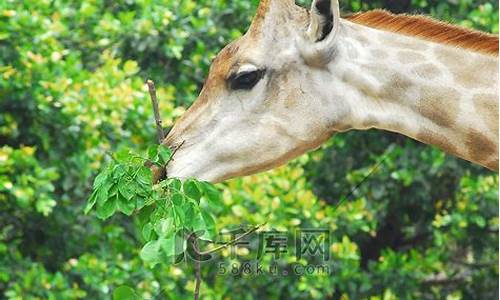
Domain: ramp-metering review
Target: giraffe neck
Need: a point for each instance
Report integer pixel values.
(434, 93)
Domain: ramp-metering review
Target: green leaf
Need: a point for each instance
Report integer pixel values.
(168, 245)
(147, 231)
(180, 213)
(118, 172)
(125, 205)
(107, 209)
(151, 252)
(103, 193)
(126, 188)
(91, 202)
(175, 184)
(164, 153)
(153, 197)
(123, 156)
(191, 190)
(209, 220)
(204, 225)
(140, 202)
(164, 227)
(210, 224)
(124, 293)
(174, 245)
(100, 179)
(153, 153)
(213, 195)
(113, 190)
(142, 190)
(200, 227)
(145, 178)
(177, 198)
(190, 211)
(144, 214)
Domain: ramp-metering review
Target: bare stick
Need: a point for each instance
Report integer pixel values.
(156, 110)
(198, 254)
(173, 153)
(197, 265)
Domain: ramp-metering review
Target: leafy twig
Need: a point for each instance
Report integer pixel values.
(156, 110)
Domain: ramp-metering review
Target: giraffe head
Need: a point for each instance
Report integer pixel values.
(259, 106)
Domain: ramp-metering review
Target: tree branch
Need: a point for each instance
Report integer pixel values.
(159, 127)
(173, 153)
(193, 239)
(197, 265)
(159, 172)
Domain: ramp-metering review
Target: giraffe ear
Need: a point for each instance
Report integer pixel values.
(324, 20)
(318, 46)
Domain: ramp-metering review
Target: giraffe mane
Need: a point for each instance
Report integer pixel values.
(428, 29)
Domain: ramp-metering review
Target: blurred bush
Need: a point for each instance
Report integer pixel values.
(71, 89)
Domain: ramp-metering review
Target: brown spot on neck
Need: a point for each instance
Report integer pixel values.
(396, 88)
(430, 137)
(492, 165)
(481, 149)
(439, 104)
(427, 71)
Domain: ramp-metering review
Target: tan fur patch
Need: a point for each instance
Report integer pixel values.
(395, 89)
(486, 106)
(429, 29)
(427, 71)
(440, 105)
(493, 165)
(481, 149)
(441, 141)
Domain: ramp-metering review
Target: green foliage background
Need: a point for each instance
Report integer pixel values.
(425, 225)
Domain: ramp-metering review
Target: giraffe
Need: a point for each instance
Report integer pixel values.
(299, 76)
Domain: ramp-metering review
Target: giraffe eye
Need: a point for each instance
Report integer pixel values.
(245, 80)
